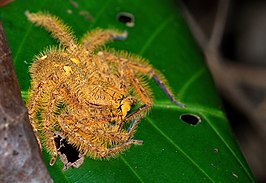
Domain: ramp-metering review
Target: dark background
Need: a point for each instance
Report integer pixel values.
(234, 44)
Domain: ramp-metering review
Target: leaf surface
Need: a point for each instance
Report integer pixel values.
(173, 151)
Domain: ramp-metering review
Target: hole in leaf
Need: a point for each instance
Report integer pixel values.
(216, 150)
(190, 119)
(68, 154)
(65, 148)
(126, 18)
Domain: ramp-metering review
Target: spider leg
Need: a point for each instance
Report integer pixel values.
(92, 132)
(135, 117)
(95, 141)
(159, 81)
(139, 65)
(139, 87)
(99, 127)
(70, 99)
(99, 37)
(87, 139)
(157, 77)
(34, 101)
(54, 25)
(47, 108)
(109, 152)
(48, 124)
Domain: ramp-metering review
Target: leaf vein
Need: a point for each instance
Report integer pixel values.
(229, 148)
(189, 108)
(193, 78)
(100, 12)
(130, 167)
(154, 34)
(179, 149)
(22, 44)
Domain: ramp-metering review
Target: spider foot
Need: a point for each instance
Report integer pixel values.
(121, 36)
(52, 161)
(178, 103)
(137, 142)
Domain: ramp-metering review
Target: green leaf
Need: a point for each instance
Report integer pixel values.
(173, 150)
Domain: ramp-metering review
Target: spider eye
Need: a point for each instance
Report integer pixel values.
(112, 123)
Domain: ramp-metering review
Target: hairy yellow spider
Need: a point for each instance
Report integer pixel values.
(86, 93)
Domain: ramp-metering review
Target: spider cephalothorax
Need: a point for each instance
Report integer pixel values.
(86, 93)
